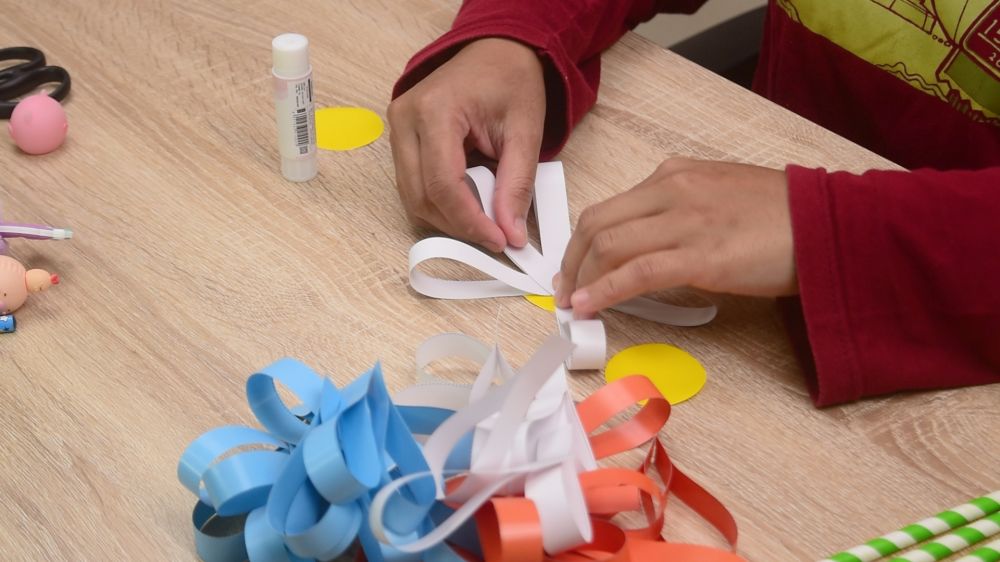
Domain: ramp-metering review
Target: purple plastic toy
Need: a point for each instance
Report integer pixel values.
(32, 231)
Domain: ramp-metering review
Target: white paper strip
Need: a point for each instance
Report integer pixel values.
(527, 440)
(537, 268)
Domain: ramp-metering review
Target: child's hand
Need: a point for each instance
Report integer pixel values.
(491, 97)
(717, 226)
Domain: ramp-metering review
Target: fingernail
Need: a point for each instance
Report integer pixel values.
(562, 300)
(555, 281)
(581, 300)
(565, 295)
(520, 232)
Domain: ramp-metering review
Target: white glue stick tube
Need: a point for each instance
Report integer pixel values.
(293, 100)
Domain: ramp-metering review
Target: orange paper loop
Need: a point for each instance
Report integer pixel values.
(615, 398)
(654, 498)
(510, 531)
(691, 493)
(706, 505)
(609, 545)
(612, 500)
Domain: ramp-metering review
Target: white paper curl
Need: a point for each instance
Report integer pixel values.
(537, 268)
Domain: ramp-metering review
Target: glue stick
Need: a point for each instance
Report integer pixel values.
(293, 100)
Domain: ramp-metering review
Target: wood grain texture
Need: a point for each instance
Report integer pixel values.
(195, 263)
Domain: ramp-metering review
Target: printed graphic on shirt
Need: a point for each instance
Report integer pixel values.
(949, 49)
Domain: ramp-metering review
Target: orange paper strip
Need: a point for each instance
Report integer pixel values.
(510, 529)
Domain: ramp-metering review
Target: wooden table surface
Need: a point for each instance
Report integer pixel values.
(195, 263)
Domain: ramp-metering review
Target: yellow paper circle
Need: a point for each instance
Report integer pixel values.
(347, 128)
(676, 373)
(543, 302)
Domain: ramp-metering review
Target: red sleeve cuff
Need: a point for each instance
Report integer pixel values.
(898, 279)
(828, 351)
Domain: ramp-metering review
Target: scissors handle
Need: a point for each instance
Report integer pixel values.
(32, 57)
(24, 77)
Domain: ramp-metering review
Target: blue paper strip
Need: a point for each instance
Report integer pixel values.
(300, 490)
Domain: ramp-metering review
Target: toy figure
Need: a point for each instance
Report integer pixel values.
(16, 283)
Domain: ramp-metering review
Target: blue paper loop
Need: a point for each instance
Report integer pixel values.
(267, 405)
(333, 473)
(263, 542)
(205, 450)
(242, 482)
(225, 544)
(300, 490)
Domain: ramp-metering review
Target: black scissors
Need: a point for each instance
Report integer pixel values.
(22, 78)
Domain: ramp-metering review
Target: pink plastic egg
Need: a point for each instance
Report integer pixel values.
(38, 124)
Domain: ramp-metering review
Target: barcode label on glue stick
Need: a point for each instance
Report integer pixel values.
(302, 131)
(296, 130)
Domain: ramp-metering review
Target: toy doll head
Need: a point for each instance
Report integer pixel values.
(16, 283)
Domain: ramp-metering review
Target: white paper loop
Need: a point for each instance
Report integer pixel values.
(537, 268)
(588, 337)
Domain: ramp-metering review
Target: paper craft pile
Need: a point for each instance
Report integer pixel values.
(503, 469)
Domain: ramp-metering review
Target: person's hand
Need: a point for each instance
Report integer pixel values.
(716, 226)
(489, 97)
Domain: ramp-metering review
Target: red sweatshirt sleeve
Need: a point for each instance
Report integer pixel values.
(899, 279)
(569, 36)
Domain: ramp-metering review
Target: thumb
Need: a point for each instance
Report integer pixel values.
(516, 185)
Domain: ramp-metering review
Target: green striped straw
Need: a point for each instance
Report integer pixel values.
(920, 531)
(947, 545)
(988, 553)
